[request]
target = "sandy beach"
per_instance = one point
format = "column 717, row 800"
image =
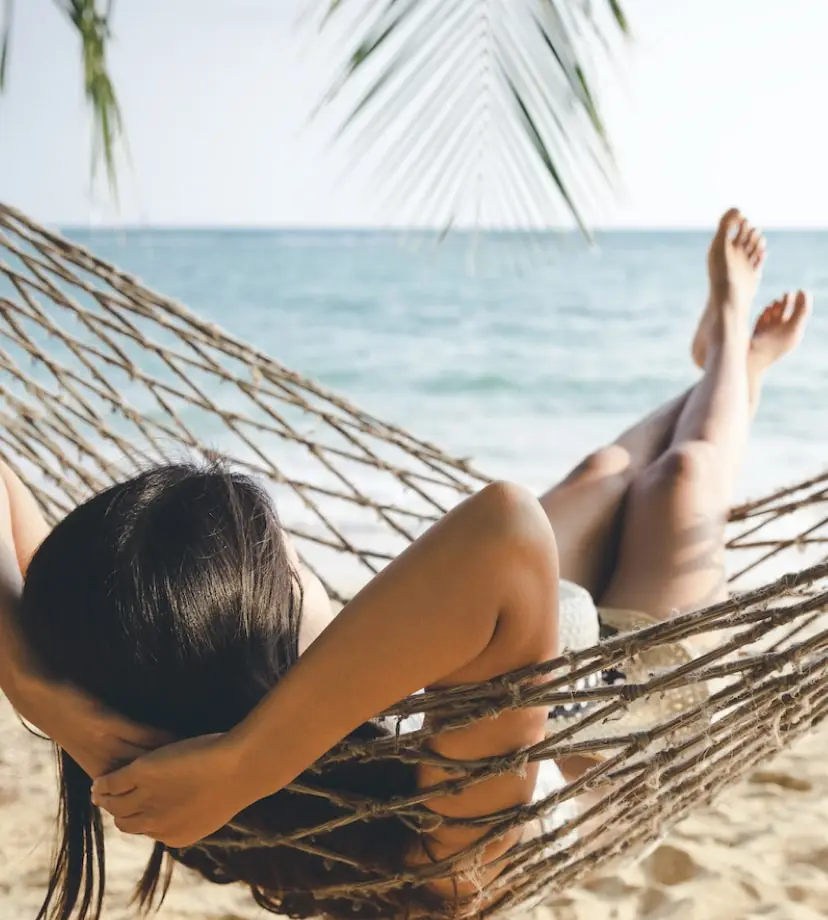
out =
column 375, row 258
column 759, row 852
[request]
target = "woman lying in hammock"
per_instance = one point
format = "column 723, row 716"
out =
column 174, row 601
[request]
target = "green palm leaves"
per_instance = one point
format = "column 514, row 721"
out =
column 90, row 20
column 468, row 111
column 478, row 110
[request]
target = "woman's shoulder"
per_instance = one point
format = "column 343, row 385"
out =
column 317, row 610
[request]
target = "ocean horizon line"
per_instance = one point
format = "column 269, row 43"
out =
column 430, row 232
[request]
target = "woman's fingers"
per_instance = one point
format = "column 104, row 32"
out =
column 148, row 738
column 135, row 736
column 121, row 782
column 121, row 749
column 144, row 826
column 119, row 806
column 134, row 824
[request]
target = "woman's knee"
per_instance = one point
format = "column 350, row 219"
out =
column 690, row 465
column 612, row 460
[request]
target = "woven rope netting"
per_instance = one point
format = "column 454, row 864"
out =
column 101, row 376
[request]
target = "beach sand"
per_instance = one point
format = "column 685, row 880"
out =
column 760, row 852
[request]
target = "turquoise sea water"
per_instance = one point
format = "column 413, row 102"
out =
column 524, row 363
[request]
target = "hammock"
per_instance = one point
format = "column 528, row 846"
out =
column 101, row 376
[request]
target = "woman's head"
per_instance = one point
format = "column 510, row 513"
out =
column 171, row 598
column 157, row 594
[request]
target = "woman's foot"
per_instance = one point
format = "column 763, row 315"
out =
column 778, row 330
column 734, row 265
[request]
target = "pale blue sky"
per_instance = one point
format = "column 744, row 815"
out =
column 722, row 101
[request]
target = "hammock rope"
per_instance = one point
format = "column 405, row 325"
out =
column 101, row 376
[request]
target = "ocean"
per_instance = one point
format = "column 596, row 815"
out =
column 521, row 354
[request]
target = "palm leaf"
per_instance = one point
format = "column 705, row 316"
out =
column 618, row 16
column 470, row 108
column 4, row 41
column 93, row 28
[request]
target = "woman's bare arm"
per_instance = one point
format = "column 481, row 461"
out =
column 482, row 600
column 474, row 596
column 22, row 529
column 28, row 526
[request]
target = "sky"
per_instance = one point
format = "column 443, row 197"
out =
column 716, row 102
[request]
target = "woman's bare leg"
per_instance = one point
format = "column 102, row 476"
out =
column 672, row 548
column 585, row 508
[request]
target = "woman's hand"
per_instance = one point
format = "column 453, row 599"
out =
column 95, row 737
column 178, row 794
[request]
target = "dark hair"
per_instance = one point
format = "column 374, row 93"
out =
column 171, row 598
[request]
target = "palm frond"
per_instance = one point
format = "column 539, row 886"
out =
column 477, row 111
column 93, row 27
column 618, row 15
column 5, row 35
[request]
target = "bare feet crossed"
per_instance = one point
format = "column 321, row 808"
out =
column 734, row 265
